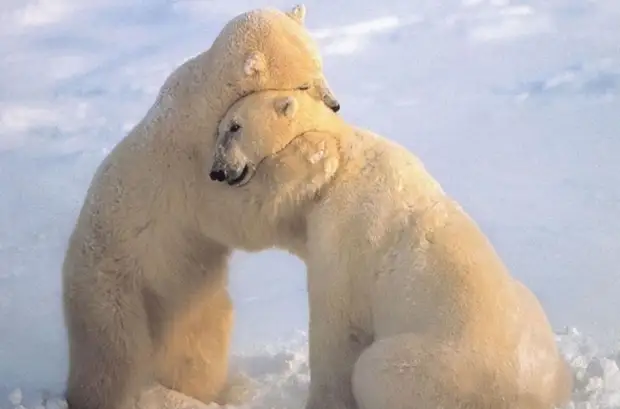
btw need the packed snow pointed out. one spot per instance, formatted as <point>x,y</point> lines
<point>513,105</point>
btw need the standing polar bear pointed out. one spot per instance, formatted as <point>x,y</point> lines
<point>145,273</point>
<point>410,306</point>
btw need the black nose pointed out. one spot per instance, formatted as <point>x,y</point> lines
<point>219,175</point>
<point>336,107</point>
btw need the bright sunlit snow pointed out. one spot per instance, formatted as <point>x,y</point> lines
<point>513,105</point>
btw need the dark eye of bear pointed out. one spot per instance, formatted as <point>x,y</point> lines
<point>304,87</point>
<point>234,127</point>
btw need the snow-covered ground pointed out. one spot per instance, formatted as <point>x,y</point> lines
<point>513,105</point>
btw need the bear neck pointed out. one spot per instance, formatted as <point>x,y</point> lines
<point>362,155</point>
<point>172,145</point>
<point>193,100</point>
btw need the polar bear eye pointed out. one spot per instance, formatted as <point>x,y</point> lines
<point>304,87</point>
<point>234,127</point>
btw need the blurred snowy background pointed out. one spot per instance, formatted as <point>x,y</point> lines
<point>513,105</point>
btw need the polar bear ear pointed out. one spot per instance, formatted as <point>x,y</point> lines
<point>286,106</point>
<point>298,13</point>
<point>254,63</point>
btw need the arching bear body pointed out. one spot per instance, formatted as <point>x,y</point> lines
<point>145,273</point>
<point>410,306</point>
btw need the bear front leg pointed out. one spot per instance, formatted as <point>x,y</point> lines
<point>110,345</point>
<point>332,350</point>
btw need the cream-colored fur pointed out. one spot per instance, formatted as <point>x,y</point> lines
<point>145,272</point>
<point>410,306</point>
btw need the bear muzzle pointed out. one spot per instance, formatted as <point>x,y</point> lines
<point>334,106</point>
<point>327,95</point>
<point>231,175</point>
<point>330,100</point>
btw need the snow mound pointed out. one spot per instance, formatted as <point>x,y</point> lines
<point>596,373</point>
<point>278,377</point>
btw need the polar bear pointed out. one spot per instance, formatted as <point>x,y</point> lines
<point>410,305</point>
<point>145,273</point>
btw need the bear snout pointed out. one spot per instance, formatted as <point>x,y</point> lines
<point>331,102</point>
<point>232,176</point>
<point>218,175</point>
<point>237,176</point>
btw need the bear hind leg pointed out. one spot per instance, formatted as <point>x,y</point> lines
<point>408,372</point>
<point>195,347</point>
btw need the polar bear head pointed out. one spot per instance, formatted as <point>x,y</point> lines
<point>277,150</point>
<point>276,51</point>
<point>263,125</point>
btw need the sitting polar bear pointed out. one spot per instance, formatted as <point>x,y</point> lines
<point>410,306</point>
<point>145,273</point>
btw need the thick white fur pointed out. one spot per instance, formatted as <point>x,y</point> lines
<point>145,272</point>
<point>410,306</point>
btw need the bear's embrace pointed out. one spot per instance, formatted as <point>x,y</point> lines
<point>145,273</point>
<point>410,305</point>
